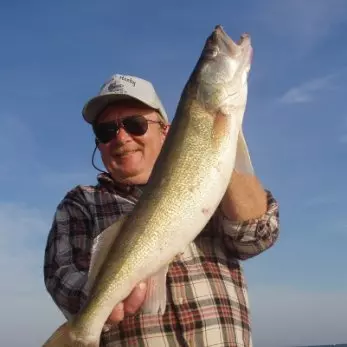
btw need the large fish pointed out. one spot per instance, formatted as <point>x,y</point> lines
<point>204,145</point>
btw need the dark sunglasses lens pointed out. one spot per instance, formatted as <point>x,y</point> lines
<point>105,132</point>
<point>135,125</point>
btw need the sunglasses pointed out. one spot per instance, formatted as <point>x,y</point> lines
<point>136,125</point>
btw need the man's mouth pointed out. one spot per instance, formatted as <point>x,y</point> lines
<point>120,154</point>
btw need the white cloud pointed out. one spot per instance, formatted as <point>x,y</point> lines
<point>305,22</point>
<point>307,91</point>
<point>29,314</point>
<point>292,317</point>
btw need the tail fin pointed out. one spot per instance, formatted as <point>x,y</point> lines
<point>60,338</point>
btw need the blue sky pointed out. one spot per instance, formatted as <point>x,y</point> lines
<point>55,55</point>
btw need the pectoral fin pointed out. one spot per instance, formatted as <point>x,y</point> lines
<point>243,163</point>
<point>101,246</point>
<point>155,301</point>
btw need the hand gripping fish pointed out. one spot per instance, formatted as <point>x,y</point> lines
<point>203,147</point>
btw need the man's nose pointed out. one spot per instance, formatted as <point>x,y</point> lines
<point>122,136</point>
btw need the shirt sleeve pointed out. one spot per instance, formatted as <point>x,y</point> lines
<point>67,256</point>
<point>250,238</point>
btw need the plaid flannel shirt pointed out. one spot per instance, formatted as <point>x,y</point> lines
<point>207,294</point>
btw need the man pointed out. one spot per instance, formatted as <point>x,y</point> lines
<point>207,296</point>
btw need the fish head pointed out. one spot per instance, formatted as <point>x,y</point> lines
<point>221,73</point>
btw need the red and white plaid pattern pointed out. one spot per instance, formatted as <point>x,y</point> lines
<point>207,295</point>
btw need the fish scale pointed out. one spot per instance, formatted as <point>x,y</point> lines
<point>188,182</point>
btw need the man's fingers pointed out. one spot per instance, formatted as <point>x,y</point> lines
<point>117,314</point>
<point>130,305</point>
<point>135,300</point>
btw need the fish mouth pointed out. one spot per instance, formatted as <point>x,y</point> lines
<point>220,43</point>
<point>219,29</point>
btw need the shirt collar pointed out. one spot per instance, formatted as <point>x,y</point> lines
<point>129,191</point>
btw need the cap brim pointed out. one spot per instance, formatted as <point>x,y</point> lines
<point>97,104</point>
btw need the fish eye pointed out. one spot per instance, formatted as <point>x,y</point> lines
<point>211,51</point>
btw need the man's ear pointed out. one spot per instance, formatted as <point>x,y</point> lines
<point>166,128</point>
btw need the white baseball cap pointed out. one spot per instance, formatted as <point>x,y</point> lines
<point>120,87</point>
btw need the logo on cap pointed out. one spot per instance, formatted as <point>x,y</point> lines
<point>115,87</point>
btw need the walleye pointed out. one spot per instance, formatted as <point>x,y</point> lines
<point>203,147</point>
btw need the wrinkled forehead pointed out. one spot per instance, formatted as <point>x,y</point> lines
<point>123,109</point>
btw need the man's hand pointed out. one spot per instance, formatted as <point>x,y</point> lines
<point>130,305</point>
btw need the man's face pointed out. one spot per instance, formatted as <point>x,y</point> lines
<point>128,158</point>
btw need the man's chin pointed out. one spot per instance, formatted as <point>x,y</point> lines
<point>133,178</point>
<point>132,174</point>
